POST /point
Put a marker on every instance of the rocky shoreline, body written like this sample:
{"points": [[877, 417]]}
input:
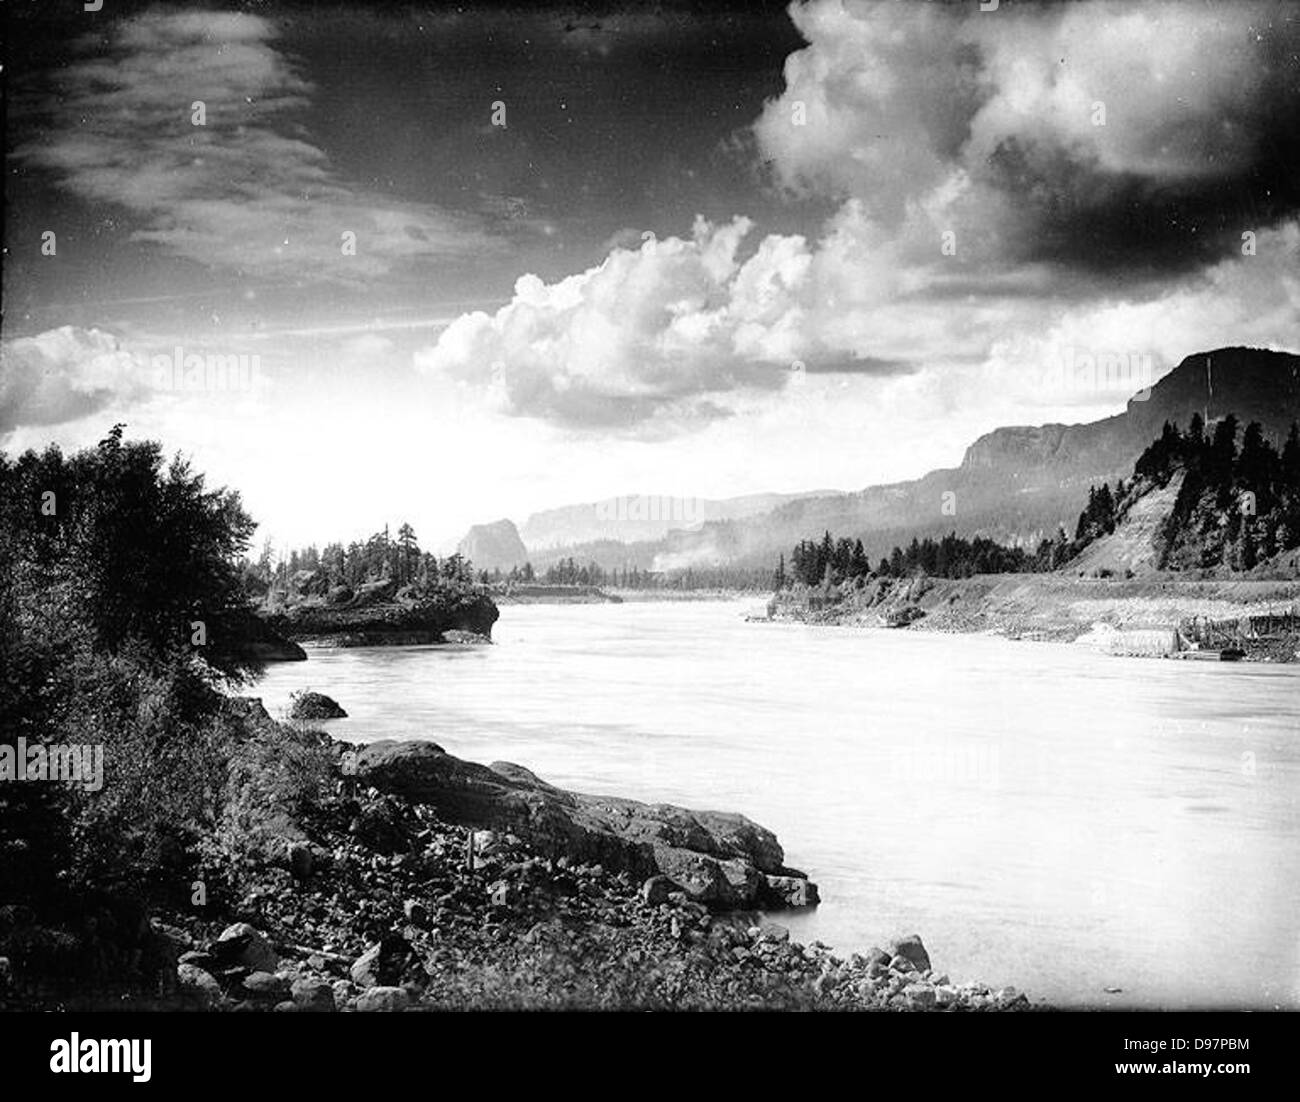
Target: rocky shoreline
{"points": [[424, 882], [1045, 607], [384, 617]]}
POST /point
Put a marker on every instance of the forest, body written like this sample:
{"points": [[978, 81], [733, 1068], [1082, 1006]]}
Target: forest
{"points": [[1238, 505]]}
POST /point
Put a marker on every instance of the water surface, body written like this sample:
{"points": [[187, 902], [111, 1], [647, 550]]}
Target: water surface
{"points": [[1043, 816]]}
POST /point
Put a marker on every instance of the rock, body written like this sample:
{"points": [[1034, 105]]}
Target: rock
{"points": [[243, 946], [877, 959], [381, 965], [655, 890], [920, 996], [715, 857], [788, 891], [911, 949], [313, 995], [200, 959], [385, 1000], [374, 617], [311, 705], [300, 862], [770, 931], [455, 635], [266, 987], [198, 985], [494, 546]]}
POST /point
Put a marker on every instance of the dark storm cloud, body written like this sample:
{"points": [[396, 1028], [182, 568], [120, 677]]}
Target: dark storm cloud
{"points": [[1103, 136]]}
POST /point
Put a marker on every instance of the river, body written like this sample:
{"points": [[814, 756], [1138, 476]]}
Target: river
{"points": [[1096, 831]]}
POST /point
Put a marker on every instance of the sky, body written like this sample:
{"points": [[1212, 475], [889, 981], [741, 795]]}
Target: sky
{"points": [[483, 261]]}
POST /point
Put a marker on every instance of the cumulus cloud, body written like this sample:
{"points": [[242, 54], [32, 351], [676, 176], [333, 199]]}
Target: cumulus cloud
{"points": [[650, 334], [248, 190], [1009, 185], [1102, 135], [65, 374]]}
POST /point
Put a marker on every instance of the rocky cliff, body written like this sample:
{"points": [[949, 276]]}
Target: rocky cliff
{"points": [[494, 546]]}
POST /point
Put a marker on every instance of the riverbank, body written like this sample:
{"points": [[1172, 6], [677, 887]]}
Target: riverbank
{"points": [[1049, 606], [369, 897]]}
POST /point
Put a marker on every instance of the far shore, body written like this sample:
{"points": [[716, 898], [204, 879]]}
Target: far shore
{"points": [[1055, 607]]}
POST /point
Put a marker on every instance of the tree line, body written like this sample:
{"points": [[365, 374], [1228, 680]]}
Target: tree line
{"points": [[1238, 505]]}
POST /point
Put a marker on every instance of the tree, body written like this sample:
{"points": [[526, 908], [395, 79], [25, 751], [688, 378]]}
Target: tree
{"points": [[409, 552]]}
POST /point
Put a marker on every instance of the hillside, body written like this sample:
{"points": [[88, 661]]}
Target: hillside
{"points": [[1134, 547], [1015, 484], [641, 517]]}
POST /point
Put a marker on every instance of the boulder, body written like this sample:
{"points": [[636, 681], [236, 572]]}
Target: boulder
{"points": [[383, 1000], [265, 987], [243, 946], [655, 890], [313, 995], [201, 960], [920, 996], [311, 705], [911, 949], [381, 964], [197, 985], [788, 891], [721, 859]]}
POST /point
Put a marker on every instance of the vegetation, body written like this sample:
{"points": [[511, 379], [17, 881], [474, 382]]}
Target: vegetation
{"points": [[831, 562], [122, 615], [1236, 507], [568, 572], [380, 558]]}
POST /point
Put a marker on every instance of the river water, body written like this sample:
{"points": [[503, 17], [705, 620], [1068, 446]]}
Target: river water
{"points": [[1066, 822]]}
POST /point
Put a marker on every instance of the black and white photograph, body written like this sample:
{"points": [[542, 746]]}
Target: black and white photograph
{"points": [[674, 507]]}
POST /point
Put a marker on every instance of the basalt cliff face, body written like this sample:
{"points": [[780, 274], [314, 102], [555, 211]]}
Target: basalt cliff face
{"points": [[395, 622]]}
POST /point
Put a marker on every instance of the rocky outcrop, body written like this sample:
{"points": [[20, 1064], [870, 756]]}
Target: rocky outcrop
{"points": [[310, 705], [264, 643], [374, 620], [719, 859], [494, 546]]}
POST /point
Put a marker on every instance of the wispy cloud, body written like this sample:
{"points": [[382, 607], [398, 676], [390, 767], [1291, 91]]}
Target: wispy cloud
{"points": [[247, 191]]}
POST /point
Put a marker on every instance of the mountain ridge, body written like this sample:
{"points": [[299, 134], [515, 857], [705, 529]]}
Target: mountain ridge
{"points": [[1015, 484]]}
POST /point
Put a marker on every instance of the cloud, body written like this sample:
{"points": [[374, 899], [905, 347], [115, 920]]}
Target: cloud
{"points": [[65, 374], [1104, 136], [246, 191], [985, 221], [649, 335]]}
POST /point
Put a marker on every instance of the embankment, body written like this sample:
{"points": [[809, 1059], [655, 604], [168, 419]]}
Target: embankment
{"points": [[1045, 606]]}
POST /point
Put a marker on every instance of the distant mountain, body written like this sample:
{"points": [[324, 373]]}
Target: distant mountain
{"points": [[494, 546], [640, 517], [1015, 485]]}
